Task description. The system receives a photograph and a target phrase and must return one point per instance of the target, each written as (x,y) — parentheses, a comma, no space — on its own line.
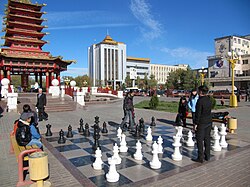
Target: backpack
(23,135)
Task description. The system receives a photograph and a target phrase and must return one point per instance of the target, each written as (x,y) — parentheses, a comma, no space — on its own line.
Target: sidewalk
(233,170)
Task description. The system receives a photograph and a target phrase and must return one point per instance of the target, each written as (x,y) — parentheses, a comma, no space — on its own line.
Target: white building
(219,70)
(161,72)
(107,62)
(141,65)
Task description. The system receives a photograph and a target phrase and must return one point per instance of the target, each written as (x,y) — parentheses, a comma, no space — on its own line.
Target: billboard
(133,73)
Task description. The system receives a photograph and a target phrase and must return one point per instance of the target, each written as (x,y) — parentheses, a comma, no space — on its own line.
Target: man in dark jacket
(41,103)
(203,124)
(128,106)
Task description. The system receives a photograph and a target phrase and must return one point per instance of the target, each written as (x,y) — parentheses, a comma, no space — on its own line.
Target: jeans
(131,120)
(35,142)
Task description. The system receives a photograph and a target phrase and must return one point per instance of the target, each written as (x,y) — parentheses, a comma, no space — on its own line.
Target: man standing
(41,103)
(203,124)
(128,108)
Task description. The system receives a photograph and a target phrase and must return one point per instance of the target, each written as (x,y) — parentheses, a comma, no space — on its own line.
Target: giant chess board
(78,152)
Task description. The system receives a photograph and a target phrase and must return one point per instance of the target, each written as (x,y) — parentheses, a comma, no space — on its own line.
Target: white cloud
(196,58)
(85,19)
(74,72)
(141,10)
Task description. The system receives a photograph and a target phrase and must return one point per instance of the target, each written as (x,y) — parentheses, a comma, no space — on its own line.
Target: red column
(8,75)
(51,78)
(47,82)
(58,78)
(1,75)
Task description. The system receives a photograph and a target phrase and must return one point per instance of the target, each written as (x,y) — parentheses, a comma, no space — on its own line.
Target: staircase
(54,104)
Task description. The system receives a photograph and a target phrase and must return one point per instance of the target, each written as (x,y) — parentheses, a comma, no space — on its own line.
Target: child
(182,110)
(26,133)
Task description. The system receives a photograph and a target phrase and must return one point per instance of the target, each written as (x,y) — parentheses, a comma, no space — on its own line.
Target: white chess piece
(177,155)
(179,131)
(119,133)
(223,134)
(97,165)
(149,135)
(112,175)
(216,137)
(190,142)
(155,163)
(116,155)
(123,144)
(138,154)
(160,142)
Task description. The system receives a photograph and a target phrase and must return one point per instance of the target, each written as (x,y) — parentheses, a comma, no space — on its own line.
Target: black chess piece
(61,139)
(104,127)
(141,125)
(153,121)
(137,131)
(97,120)
(86,132)
(48,133)
(96,136)
(70,133)
(81,129)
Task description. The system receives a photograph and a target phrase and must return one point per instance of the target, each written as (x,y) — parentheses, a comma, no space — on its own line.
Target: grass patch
(167,106)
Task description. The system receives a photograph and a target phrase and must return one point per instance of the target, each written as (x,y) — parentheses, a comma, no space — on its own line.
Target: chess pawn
(190,142)
(61,139)
(123,144)
(177,155)
(86,132)
(138,154)
(97,165)
(155,163)
(104,128)
(119,133)
(69,134)
(216,137)
(115,156)
(141,125)
(223,134)
(112,175)
(137,131)
(149,135)
(48,132)
(160,142)
(153,121)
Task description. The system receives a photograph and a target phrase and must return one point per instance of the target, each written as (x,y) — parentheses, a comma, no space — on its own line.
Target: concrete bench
(21,153)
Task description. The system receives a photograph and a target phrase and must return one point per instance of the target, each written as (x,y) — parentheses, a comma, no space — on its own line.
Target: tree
(128,81)
(152,82)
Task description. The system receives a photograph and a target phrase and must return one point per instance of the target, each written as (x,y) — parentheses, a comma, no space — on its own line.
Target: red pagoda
(22,53)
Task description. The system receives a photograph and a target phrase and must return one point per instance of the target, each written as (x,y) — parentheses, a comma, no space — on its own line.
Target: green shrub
(213,101)
(154,102)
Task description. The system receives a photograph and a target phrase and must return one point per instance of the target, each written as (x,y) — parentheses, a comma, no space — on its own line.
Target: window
(238,41)
(235,40)
(245,61)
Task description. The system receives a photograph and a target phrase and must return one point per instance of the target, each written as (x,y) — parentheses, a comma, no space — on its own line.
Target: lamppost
(233,57)
(202,72)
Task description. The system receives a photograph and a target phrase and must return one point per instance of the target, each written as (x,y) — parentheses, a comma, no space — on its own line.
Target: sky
(168,32)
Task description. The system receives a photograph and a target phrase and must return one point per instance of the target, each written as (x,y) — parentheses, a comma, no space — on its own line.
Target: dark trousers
(193,116)
(203,136)
(41,113)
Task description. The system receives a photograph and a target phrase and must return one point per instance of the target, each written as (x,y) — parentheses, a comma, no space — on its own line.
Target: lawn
(167,106)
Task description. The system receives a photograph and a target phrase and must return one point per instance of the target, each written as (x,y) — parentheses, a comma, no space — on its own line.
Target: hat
(26,115)
(194,90)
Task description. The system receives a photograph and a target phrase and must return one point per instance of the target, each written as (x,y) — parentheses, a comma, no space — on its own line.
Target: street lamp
(202,72)
(233,57)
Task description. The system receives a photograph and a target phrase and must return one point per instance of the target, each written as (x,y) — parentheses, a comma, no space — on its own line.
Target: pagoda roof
(109,40)
(27,3)
(9,40)
(12,23)
(39,20)
(40,57)
(24,32)
(26,10)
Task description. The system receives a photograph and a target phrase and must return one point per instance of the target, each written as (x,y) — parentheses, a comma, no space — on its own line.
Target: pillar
(58,78)
(47,82)
(36,77)
(51,78)
(24,81)
(40,79)
(8,75)
(1,75)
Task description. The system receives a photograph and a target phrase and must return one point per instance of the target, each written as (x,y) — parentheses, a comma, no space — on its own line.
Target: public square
(228,168)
